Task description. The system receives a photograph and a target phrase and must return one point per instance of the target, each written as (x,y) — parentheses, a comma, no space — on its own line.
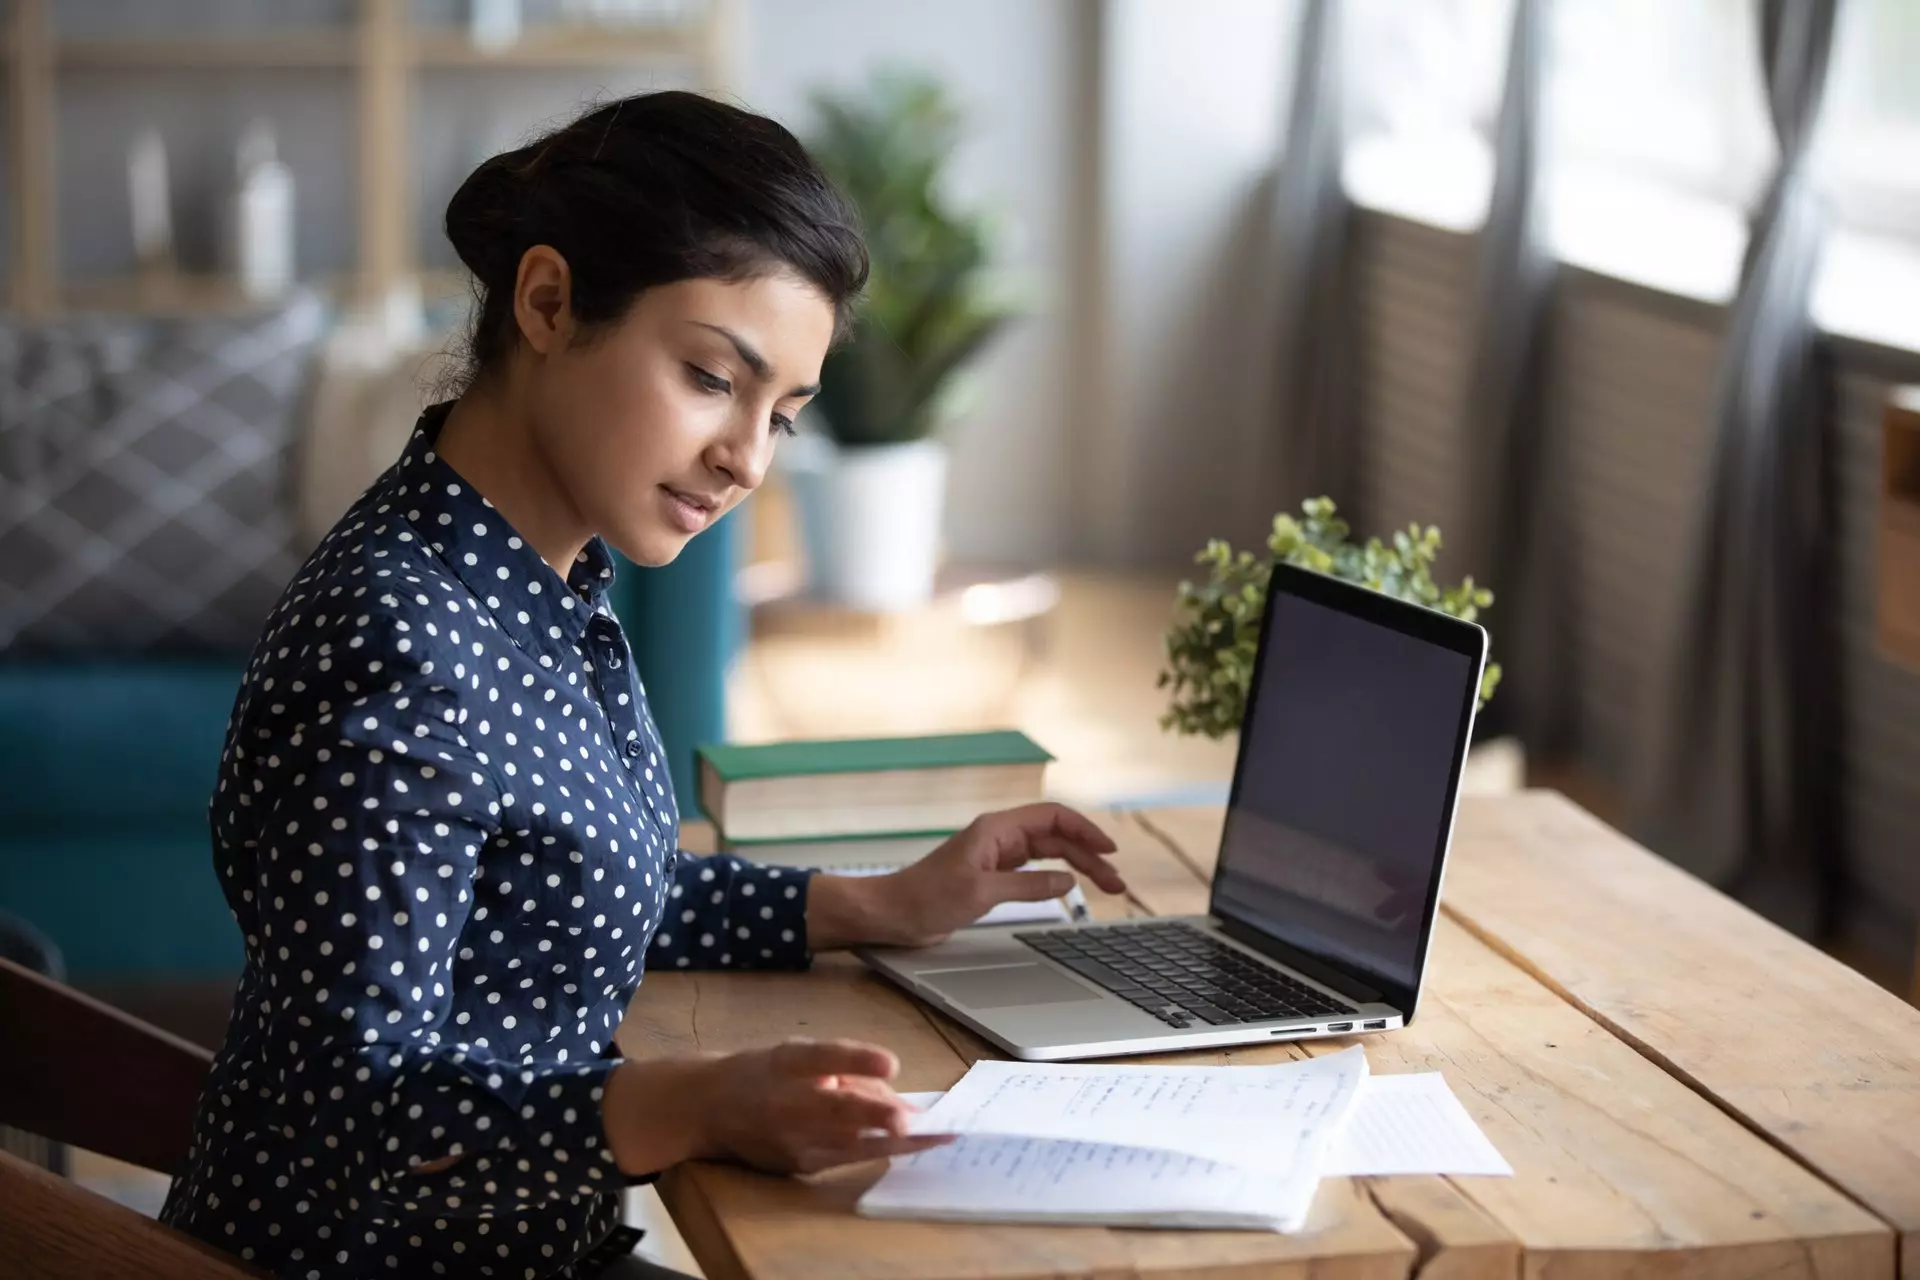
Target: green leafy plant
(929,307)
(1216,628)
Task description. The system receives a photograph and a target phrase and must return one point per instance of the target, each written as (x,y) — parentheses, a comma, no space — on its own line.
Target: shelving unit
(380,49)
(296,49)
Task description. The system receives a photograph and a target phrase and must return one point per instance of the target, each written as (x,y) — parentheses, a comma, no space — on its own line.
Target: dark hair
(645,191)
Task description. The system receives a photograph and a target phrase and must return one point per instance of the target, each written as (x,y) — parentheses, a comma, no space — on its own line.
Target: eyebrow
(754,360)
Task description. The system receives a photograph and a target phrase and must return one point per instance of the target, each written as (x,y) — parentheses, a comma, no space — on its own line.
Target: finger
(1095,866)
(834,1058)
(1014,831)
(1093,863)
(880,1091)
(872,1086)
(839,1115)
(1059,820)
(1025,886)
(816,1159)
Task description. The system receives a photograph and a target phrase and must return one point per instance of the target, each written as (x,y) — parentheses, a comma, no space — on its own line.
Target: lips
(708,505)
(690,513)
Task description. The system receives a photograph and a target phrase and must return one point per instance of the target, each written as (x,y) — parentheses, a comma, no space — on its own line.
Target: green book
(734,762)
(866,786)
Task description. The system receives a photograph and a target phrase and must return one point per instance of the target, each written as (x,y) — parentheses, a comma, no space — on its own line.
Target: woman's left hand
(963,879)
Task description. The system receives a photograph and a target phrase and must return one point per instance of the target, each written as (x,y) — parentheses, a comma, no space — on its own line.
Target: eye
(709,381)
(783,424)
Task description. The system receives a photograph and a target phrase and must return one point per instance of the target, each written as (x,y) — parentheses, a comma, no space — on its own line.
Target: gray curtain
(1738,787)
(1312,223)
(1511,531)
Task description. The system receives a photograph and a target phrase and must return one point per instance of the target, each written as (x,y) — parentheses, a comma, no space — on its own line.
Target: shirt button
(613,661)
(633,748)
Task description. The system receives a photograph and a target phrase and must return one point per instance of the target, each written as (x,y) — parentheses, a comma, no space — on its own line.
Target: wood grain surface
(1562,1008)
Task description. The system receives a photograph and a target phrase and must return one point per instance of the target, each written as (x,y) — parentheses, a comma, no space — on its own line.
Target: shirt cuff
(767,923)
(559,1148)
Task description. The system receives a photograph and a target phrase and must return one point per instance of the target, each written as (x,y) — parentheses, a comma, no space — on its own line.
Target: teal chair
(686,627)
(107,767)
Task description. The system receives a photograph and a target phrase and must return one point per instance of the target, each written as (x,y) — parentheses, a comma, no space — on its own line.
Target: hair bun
(485,216)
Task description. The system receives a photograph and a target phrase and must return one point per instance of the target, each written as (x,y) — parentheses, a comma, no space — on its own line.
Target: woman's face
(658,425)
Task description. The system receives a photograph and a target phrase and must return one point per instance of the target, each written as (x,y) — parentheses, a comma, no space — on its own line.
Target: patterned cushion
(145,494)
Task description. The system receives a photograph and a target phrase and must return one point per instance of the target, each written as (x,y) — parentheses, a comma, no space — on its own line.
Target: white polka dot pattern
(445,826)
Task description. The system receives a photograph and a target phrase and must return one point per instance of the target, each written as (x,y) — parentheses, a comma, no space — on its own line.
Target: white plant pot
(869,519)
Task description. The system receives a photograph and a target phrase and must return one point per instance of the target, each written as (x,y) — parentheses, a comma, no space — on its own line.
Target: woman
(444,820)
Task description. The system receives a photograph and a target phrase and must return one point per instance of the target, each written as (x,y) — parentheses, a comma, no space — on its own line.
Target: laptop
(1358,720)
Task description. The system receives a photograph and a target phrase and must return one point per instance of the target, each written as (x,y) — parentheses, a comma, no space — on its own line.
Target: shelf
(212,292)
(561,46)
(290,50)
(189,293)
(556,48)
(380,54)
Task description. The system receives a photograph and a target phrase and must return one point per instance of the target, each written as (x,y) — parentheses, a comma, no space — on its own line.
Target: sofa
(160,480)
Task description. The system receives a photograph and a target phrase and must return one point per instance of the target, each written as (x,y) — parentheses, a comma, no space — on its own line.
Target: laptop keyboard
(1180,974)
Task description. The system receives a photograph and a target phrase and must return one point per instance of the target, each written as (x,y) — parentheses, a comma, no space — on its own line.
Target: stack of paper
(1172,1146)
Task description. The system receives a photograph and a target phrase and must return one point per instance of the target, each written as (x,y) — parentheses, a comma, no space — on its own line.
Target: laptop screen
(1344,791)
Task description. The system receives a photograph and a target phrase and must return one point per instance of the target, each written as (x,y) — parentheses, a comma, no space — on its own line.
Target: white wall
(1131,141)
(1014,68)
(1191,102)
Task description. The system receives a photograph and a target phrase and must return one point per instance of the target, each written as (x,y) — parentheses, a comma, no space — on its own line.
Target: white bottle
(149,202)
(494,24)
(263,216)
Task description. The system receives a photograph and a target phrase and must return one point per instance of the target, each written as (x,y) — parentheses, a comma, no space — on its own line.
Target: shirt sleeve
(725,912)
(363,887)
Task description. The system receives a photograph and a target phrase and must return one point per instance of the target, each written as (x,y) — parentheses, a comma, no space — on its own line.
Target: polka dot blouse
(445,826)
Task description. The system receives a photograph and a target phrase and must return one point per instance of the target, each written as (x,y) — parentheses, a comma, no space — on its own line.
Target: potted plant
(870,480)
(1216,628)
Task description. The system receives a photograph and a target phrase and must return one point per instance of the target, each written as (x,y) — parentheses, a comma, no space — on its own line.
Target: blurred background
(1620,295)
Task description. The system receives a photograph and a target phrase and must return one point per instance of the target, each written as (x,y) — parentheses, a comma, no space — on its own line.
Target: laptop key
(1095,970)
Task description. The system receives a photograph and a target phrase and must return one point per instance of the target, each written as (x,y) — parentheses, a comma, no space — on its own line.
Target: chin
(649,548)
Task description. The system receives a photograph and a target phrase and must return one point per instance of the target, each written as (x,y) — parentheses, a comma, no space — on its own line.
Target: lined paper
(1411,1124)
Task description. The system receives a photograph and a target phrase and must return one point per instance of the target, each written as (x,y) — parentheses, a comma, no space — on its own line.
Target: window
(1870,140)
(1424,85)
(1656,139)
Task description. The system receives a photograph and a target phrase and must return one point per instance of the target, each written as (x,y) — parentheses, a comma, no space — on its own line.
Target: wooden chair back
(81,1072)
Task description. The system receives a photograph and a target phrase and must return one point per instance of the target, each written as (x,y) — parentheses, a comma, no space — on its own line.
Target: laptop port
(1380,1025)
(1293,1031)
(1339,1026)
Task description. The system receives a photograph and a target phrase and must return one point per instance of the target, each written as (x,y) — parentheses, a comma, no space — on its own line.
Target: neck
(489,440)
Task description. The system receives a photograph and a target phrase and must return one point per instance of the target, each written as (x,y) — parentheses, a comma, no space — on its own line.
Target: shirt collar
(528,600)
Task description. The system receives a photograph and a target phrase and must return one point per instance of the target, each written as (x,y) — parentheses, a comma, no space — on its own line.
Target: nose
(743,455)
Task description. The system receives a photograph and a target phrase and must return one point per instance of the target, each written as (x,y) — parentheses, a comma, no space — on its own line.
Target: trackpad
(1007,985)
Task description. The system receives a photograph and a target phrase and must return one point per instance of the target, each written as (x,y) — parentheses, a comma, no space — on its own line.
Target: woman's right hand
(797,1107)
(805,1105)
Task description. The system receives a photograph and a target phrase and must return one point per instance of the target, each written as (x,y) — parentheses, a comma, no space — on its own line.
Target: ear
(542,299)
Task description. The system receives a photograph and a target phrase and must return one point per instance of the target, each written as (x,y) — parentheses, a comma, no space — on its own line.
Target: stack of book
(866,806)
(862,802)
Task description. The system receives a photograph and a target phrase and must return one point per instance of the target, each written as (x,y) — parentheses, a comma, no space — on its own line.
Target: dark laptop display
(1344,791)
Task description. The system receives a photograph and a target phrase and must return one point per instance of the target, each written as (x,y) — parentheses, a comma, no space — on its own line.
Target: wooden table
(1682,1089)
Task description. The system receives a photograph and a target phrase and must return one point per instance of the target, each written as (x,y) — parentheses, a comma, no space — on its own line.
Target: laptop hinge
(1319,970)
